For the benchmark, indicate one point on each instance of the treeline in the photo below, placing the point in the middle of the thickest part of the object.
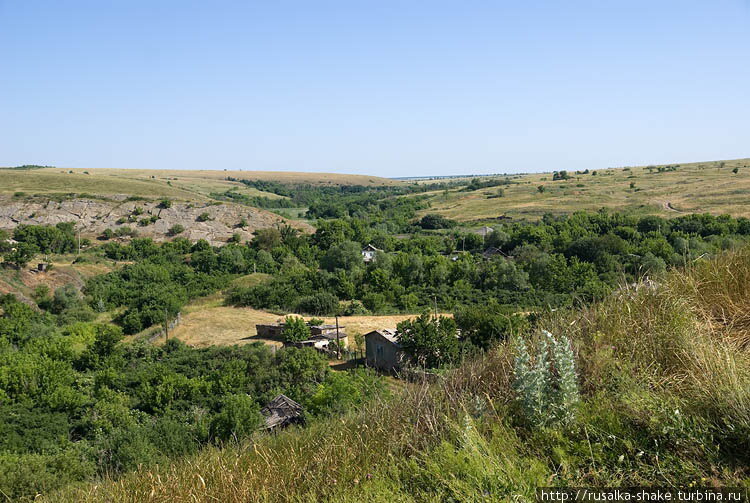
(381, 205)
(551, 263)
(76, 402)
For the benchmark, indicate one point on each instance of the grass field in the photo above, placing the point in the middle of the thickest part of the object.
(178, 184)
(208, 322)
(691, 188)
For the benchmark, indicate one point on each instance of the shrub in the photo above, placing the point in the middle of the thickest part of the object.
(176, 229)
(295, 329)
(239, 416)
(434, 221)
(546, 387)
(203, 217)
(355, 308)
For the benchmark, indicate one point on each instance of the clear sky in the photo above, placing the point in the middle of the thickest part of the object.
(390, 88)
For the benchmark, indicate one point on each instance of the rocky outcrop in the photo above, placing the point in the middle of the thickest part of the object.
(94, 216)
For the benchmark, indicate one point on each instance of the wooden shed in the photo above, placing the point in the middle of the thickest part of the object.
(383, 350)
(281, 412)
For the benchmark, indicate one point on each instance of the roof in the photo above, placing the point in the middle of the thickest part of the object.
(492, 250)
(484, 230)
(389, 334)
(370, 247)
(329, 336)
(280, 411)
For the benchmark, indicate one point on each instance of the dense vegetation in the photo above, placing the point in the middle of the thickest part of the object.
(76, 402)
(664, 399)
(551, 263)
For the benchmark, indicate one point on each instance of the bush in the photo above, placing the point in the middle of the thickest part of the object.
(295, 329)
(239, 417)
(355, 308)
(176, 229)
(203, 217)
(434, 221)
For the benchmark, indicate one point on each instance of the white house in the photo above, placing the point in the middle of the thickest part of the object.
(369, 252)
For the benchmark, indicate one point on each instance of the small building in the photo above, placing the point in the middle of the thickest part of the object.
(42, 267)
(484, 231)
(383, 351)
(276, 330)
(281, 412)
(322, 341)
(270, 331)
(492, 251)
(369, 252)
(325, 329)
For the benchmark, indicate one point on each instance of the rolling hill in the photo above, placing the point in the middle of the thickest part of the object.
(666, 190)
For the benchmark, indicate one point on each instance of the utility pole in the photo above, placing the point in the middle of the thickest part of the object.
(338, 339)
(166, 326)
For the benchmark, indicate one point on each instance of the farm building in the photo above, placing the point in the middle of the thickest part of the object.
(281, 412)
(492, 251)
(270, 331)
(484, 231)
(383, 350)
(276, 331)
(321, 341)
(369, 252)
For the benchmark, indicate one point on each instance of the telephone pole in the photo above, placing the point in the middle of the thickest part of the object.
(166, 326)
(338, 339)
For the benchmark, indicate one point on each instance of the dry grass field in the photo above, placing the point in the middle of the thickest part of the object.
(699, 187)
(63, 271)
(208, 321)
(177, 184)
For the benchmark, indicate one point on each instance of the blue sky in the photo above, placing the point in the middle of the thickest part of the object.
(379, 87)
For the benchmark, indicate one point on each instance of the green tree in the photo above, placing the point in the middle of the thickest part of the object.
(21, 255)
(430, 341)
(239, 416)
(295, 329)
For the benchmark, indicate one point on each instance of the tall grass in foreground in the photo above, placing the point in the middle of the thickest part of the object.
(665, 383)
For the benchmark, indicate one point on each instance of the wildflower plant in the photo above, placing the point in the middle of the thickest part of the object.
(546, 386)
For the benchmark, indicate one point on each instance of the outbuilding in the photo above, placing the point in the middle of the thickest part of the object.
(383, 351)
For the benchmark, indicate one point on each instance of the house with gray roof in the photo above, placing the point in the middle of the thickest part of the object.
(383, 351)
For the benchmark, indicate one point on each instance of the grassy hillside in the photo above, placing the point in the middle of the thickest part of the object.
(664, 373)
(666, 190)
(178, 184)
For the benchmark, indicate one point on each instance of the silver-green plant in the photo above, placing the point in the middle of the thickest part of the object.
(565, 393)
(547, 386)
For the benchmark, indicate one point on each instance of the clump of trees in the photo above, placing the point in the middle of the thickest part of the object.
(76, 402)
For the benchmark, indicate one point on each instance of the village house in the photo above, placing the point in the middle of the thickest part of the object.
(369, 252)
(484, 231)
(492, 251)
(281, 412)
(321, 336)
(322, 341)
(383, 351)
